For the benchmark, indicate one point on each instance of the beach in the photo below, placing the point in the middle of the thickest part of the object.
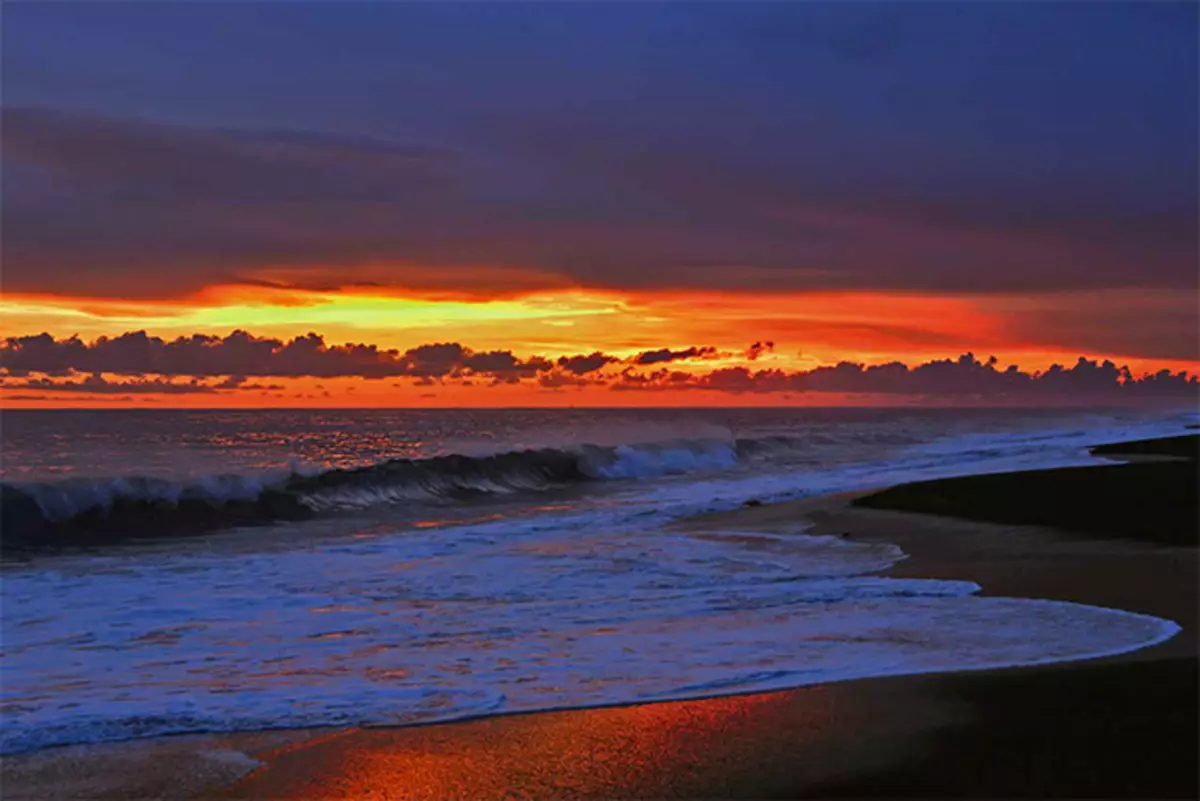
(1118, 726)
(600, 401)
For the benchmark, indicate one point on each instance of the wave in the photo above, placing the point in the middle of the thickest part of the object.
(87, 512)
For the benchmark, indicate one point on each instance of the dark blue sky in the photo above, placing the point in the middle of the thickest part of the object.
(596, 141)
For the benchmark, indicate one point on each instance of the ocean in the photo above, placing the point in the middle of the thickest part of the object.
(185, 571)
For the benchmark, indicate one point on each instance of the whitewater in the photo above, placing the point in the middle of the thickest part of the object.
(390, 570)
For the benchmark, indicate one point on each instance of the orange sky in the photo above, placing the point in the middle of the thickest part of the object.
(808, 329)
(796, 173)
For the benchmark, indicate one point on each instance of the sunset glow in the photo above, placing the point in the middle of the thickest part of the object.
(838, 218)
(808, 330)
(598, 400)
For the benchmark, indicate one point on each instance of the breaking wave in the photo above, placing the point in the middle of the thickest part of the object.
(82, 512)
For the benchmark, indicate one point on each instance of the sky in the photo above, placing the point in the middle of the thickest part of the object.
(307, 204)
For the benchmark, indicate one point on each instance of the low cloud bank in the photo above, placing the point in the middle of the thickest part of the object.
(207, 364)
(964, 376)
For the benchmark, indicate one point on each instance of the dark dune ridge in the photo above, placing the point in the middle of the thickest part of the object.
(1151, 501)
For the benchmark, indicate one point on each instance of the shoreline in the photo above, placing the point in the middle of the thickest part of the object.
(1018, 557)
(849, 738)
(851, 732)
(1006, 560)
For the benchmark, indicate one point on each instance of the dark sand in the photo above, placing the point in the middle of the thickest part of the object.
(1183, 447)
(1122, 726)
(1151, 501)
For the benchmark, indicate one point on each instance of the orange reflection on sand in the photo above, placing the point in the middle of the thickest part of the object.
(683, 748)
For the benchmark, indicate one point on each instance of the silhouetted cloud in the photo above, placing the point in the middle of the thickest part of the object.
(581, 365)
(965, 377)
(243, 354)
(758, 349)
(155, 363)
(668, 355)
(68, 398)
(97, 385)
(557, 379)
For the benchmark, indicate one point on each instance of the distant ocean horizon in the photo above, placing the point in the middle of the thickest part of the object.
(193, 570)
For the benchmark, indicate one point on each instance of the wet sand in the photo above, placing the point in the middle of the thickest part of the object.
(1123, 726)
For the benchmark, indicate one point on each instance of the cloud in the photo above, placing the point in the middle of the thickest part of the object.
(503, 364)
(963, 378)
(243, 354)
(581, 365)
(62, 398)
(667, 355)
(239, 382)
(154, 363)
(157, 210)
(557, 379)
(758, 349)
(1160, 325)
(161, 203)
(98, 385)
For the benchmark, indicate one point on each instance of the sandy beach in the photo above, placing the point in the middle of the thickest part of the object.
(1122, 726)
(599, 400)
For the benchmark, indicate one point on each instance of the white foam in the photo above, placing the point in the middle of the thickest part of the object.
(667, 458)
(1025, 448)
(496, 619)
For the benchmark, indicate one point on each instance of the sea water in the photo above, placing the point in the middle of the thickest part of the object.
(418, 565)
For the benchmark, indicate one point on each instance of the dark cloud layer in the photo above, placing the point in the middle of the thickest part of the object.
(48, 364)
(128, 208)
(152, 150)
